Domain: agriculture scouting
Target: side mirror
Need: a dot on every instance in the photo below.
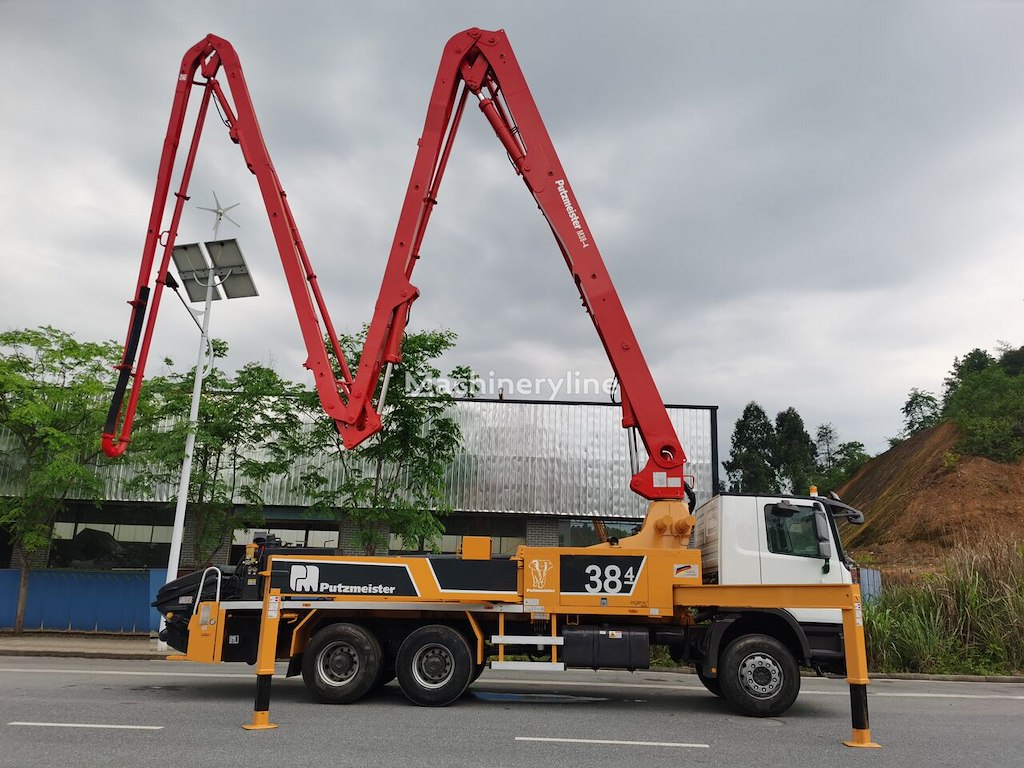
(841, 511)
(824, 534)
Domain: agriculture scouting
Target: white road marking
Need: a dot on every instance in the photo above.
(552, 683)
(616, 742)
(94, 725)
(874, 695)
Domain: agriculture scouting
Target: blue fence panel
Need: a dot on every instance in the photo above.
(107, 595)
(136, 604)
(870, 584)
(157, 578)
(120, 611)
(87, 604)
(9, 579)
(81, 601)
(47, 607)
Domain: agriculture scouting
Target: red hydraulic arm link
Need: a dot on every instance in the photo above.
(482, 63)
(208, 57)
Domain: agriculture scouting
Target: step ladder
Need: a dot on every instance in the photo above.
(541, 641)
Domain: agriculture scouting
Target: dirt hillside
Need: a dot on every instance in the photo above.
(921, 497)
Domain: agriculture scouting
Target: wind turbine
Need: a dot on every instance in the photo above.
(221, 213)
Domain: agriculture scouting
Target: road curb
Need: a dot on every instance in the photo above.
(73, 654)
(949, 678)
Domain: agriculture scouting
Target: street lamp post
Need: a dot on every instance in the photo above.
(202, 281)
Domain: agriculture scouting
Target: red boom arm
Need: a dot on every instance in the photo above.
(474, 62)
(482, 63)
(208, 57)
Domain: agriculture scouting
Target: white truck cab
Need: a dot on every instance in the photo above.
(773, 540)
(768, 539)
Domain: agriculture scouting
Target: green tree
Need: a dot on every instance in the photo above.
(395, 481)
(794, 452)
(250, 430)
(847, 458)
(1011, 360)
(975, 361)
(826, 440)
(52, 390)
(750, 465)
(988, 406)
(836, 461)
(921, 411)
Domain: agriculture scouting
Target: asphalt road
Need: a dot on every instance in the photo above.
(185, 714)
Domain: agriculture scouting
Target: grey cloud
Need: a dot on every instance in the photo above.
(808, 204)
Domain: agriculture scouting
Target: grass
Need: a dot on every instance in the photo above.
(966, 619)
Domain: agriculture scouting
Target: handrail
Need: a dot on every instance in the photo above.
(202, 583)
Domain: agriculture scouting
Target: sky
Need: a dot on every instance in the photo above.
(806, 204)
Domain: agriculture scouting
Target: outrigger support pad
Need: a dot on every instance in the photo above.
(261, 712)
(859, 714)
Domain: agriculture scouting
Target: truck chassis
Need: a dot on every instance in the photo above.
(350, 624)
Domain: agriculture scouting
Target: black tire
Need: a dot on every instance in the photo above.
(713, 684)
(341, 663)
(759, 676)
(434, 665)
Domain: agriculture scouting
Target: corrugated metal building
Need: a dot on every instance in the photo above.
(529, 472)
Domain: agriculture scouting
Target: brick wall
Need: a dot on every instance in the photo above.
(36, 559)
(188, 563)
(541, 532)
(347, 538)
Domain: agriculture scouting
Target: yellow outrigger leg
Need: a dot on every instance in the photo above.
(266, 654)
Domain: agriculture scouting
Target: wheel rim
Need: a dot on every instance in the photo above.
(338, 664)
(433, 666)
(761, 676)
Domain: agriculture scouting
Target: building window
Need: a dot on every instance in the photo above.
(505, 546)
(92, 545)
(322, 539)
(583, 533)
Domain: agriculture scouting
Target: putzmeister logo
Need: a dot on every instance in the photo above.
(305, 578)
(539, 570)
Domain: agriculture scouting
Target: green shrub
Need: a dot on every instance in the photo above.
(966, 619)
(988, 406)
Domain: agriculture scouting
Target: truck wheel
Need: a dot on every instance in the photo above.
(434, 665)
(341, 663)
(759, 676)
(713, 684)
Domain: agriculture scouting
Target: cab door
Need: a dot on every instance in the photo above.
(789, 534)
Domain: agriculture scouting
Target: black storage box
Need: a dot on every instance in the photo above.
(606, 648)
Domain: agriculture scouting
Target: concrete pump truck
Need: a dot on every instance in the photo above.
(746, 588)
